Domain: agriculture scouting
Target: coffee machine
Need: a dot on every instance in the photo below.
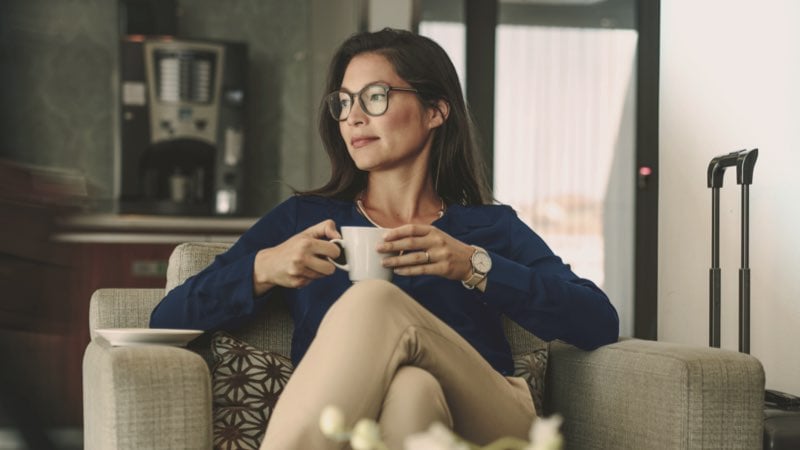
(182, 130)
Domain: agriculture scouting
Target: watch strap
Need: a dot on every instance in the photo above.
(474, 280)
(475, 277)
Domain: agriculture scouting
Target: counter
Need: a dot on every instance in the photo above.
(138, 229)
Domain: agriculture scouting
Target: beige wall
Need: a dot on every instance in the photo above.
(730, 79)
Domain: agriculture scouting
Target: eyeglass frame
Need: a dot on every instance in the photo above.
(352, 95)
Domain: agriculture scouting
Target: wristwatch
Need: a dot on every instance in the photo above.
(481, 265)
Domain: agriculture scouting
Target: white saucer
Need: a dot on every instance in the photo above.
(148, 336)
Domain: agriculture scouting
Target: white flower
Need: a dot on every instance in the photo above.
(331, 421)
(545, 435)
(438, 437)
(366, 435)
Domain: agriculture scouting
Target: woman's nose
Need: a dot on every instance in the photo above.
(357, 115)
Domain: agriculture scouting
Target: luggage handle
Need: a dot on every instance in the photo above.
(745, 161)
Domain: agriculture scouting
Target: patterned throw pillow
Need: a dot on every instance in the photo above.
(245, 385)
(532, 367)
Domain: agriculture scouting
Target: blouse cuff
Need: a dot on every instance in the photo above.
(509, 274)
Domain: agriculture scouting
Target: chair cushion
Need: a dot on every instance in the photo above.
(532, 367)
(246, 383)
(530, 356)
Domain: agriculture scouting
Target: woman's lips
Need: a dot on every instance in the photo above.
(362, 141)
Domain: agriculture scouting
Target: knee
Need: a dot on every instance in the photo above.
(370, 297)
(415, 400)
(415, 385)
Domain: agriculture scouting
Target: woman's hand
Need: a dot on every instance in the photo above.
(427, 250)
(298, 261)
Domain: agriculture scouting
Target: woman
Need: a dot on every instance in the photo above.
(429, 346)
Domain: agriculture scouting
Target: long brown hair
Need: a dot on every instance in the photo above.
(457, 167)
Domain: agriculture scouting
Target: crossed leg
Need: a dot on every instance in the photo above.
(360, 361)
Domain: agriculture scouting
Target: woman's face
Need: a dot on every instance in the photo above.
(398, 139)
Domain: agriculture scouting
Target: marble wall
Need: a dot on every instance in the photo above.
(58, 101)
(277, 137)
(57, 63)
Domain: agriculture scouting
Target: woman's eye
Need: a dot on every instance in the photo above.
(344, 103)
(378, 97)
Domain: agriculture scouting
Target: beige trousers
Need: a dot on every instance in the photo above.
(379, 354)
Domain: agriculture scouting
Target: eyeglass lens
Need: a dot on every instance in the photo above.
(373, 99)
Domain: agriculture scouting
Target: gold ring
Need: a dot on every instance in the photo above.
(427, 257)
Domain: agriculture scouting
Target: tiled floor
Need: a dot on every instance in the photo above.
(63, 439)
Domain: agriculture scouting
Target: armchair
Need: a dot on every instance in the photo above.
(632, 394)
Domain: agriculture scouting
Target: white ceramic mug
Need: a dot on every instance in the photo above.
(360, 248)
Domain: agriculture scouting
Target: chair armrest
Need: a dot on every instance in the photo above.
(145, 397)
(122, 308)
(637, 394)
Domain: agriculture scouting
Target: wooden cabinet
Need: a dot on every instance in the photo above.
(51, 331)
(120, 252)
(51, 261)
(128, 265)
(36, 307)
(44, 308)
(44, 313)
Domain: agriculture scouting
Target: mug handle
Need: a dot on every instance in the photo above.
(340, 243)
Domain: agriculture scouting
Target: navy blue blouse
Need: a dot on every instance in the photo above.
(527, 283)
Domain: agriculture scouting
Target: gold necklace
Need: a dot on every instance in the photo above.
(363, 210)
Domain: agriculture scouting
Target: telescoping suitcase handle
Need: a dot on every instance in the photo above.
(745, 161)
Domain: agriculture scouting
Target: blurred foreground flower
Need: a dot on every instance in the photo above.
(331, 422)
(544, 435)
(366, 436)
(438, 437)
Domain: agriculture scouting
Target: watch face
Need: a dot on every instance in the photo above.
(481, 262)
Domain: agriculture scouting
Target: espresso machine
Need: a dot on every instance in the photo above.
(182, 130)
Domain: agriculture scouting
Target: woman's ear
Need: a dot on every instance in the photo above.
(439, 113)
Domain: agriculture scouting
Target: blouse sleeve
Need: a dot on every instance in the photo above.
(221, 295)
(533, 287)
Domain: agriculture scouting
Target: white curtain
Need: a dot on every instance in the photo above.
(564, 142)
(563, 151)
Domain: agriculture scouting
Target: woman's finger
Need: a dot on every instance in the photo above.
(324, 249)
(404, 231)
(320, 266)
(404, 244)
(408, 259)
(420, 269)
(307, 271)
(325, 229)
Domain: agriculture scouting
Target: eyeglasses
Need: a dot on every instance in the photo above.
(374, 100)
